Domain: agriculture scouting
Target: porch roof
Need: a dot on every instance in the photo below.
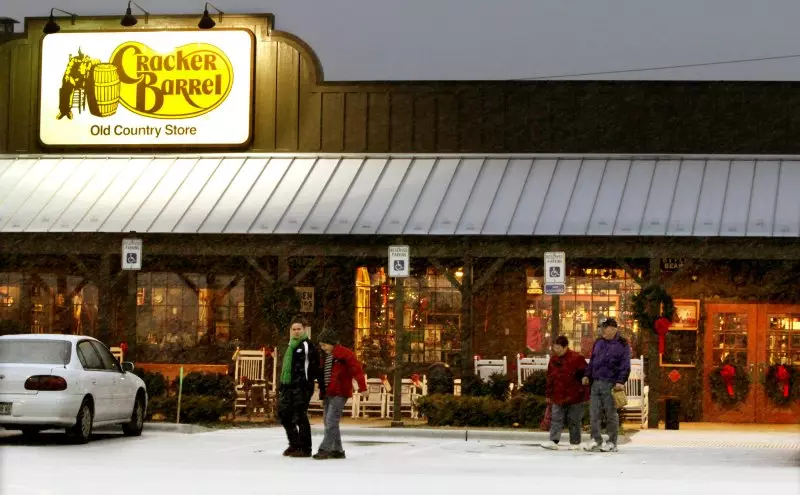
(497, 195)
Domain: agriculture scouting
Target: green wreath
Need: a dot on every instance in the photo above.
(651, 303)
(740, 385)
(775, 388)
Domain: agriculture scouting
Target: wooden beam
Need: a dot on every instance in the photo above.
(447, 273)
(319, 260)
(90, 274)
(606, 247)
(83, 283)
(189, 283)
(630, 271)
(263, 273)
(488, 274)
(233, 283)
(283, 269)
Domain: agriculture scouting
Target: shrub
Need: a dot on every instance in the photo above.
(440, 379)
(447, 410)
(194, 408)
(155, 383)
(473, 386)
(535, 384)
(499, 386)
(216, 385)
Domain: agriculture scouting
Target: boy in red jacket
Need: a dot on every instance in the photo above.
(339, 369)
(565, 393)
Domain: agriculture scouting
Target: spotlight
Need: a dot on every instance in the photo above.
(52, 26)
(206, 22)
(129, 20)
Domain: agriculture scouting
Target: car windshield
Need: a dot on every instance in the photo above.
(27, 351)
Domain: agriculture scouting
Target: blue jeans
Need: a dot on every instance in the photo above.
(603, 402)
(332, 414)
(573, 413)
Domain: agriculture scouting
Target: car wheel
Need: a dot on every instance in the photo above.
(135, 426)
(82, 431)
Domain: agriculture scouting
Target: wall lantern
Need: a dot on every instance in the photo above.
(129, 20)
(206, 22)
(52, 27)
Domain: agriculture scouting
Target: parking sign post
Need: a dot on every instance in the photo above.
(399, 259)
(555, 283)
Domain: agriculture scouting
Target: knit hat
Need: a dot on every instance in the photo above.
(328, 336)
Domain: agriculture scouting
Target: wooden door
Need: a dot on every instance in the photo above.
(729, 336)
(778, 342)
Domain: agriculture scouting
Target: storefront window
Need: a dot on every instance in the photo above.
(431, 320)
(592, 294)
(179, 310)
(52, 303)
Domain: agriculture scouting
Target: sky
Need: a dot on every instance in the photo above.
(369, 40)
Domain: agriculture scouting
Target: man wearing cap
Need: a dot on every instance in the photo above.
(340, 369)
(608, 370)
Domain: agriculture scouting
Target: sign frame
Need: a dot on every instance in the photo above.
(399, 253)
(131, 246)
(555, 277)
(244, 145)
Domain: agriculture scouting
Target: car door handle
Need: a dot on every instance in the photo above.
(94, 382)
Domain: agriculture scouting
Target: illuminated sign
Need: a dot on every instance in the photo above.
(146, 88)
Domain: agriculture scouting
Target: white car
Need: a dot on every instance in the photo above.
(67, 381)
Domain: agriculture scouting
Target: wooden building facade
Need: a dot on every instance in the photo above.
(684, 183)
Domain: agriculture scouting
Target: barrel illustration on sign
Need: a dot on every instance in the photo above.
(188, 82)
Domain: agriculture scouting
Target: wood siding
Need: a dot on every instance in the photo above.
(295, 111)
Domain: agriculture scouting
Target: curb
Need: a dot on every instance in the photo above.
(457, 434)
(186, 429)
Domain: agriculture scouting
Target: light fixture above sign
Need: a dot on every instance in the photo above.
(129, 20)
(52, 27)
(206, 22)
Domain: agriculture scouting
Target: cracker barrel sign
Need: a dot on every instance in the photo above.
(146, 88)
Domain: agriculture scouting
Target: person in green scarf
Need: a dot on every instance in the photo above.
(300, 369)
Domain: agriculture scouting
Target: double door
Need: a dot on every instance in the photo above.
(755, 337)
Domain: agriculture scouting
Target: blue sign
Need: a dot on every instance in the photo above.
(555, 289)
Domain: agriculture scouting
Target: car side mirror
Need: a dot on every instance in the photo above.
(127, 367)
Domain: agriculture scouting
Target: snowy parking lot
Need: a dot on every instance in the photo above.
(248, 461)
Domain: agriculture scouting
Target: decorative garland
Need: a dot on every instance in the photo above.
(651, 304)
(730, 385)
(781, 384)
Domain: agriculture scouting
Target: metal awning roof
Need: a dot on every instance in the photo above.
(540, 195)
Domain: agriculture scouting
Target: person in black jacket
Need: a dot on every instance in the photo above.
(299, 371)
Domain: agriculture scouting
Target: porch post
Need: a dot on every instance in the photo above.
(467, 320)
(652, 365)
(104, 300)
(130, 313)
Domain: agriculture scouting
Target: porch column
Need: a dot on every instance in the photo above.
(467, 320)
(130, 311)
(652, 364)
(104, 300)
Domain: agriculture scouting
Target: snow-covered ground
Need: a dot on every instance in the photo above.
(248, 461)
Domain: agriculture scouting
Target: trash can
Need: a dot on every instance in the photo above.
(672, 414)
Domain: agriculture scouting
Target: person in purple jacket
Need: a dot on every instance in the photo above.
(608, 370)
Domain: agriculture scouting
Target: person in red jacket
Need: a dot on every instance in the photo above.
(339, 369)
(565, 393)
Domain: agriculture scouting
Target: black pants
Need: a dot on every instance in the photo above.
(293, 413)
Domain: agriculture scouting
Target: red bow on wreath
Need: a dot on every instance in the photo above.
(662, 327)
(782, 375)
(728, 373)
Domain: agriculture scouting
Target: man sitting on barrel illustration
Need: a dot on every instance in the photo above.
(76, 78)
